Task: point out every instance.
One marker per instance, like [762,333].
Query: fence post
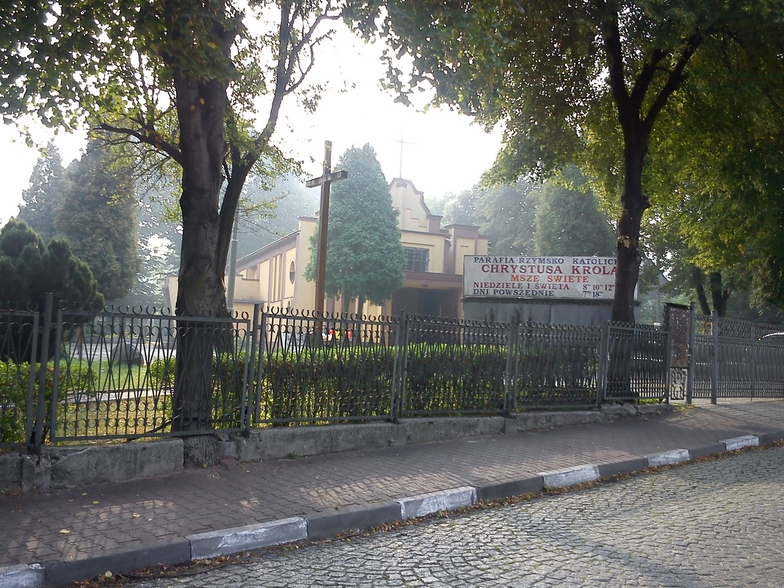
[258,329]
[668,365]
[399,368]
[32,378]
[250,368]
[510,379]
[715,356]
[754,359]
[601,376]
[37,434]
[692,350]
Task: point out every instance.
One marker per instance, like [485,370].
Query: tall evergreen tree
[508,214]
[98,219]
[568,219]
[42,199]
[365,259]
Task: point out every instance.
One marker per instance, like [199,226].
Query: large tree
[97,216]
[568,219]
[188,79]
[365,259]
[42,198]
[585,81]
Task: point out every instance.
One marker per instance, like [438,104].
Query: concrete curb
[22,576]
[570,477]
[425,504]
[228,541]
[668,457]
[59,573]
[333,523]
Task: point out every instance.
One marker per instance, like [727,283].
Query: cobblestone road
[708,524]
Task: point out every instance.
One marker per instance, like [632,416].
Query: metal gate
[731,358]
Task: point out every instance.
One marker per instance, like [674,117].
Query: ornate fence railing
[125,374]
[736,359]
[637,364]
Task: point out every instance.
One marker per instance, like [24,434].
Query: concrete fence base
[60,468]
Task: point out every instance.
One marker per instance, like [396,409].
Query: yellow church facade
[273,275]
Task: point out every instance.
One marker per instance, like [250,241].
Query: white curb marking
[425,504]
[22,576]
[227,541]
[741,442]
[570,476]
[669,457]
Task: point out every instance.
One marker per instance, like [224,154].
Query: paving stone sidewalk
[87,523]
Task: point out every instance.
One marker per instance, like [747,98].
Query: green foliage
[13,401]
[339,381]
[568,220]
[14,394]
[30,269]
[559,217]
[365,258]
[508,214]
[461,209]
[98,219]
[455,378]
[186,81]
[42,199]
[160,373]
[602,85]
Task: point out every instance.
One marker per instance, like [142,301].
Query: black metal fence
[735,359]
[111,374]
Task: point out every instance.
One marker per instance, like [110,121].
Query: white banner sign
[587,278]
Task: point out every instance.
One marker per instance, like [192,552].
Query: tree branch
[155,140]
[645,78]
[611,36]
[673,81]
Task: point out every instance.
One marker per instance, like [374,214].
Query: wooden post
[324,181]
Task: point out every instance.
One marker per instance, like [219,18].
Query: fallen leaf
[64,531]
[95,502]
[136,515]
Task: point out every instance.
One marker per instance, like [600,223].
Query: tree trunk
[201,108]
[719,294]
[628,244]
[360,306]
[696,277]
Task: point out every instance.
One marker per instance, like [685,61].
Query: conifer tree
[98,219]
[42,199]
[365,258]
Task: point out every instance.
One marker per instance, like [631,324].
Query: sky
[443,151]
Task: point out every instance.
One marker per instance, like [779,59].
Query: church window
[417,259]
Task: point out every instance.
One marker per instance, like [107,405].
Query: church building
[273,275]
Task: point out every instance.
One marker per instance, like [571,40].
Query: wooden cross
[324,181]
